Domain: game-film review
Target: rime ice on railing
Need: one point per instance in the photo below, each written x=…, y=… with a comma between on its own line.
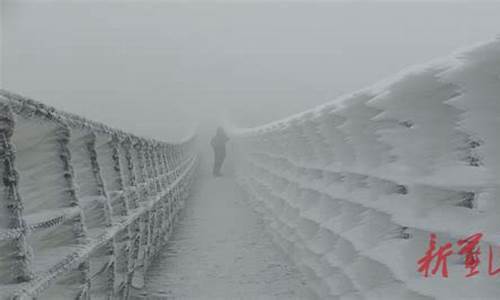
x=84, y=207
x=17, y=262
x=352, y=190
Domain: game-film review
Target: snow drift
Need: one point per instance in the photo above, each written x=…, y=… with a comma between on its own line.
x=84, y=207
x=352, y=189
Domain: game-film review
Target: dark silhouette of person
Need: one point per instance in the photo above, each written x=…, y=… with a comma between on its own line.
x=218, y=142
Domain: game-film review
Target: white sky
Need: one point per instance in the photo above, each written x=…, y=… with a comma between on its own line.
x=157, y=67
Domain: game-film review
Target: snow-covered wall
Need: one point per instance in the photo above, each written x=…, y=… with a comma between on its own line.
x=352, y=190
x=84, y=207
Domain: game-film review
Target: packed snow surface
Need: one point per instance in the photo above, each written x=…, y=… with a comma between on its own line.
x=221, y=250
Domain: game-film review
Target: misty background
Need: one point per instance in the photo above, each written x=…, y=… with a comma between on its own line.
x=161, y=68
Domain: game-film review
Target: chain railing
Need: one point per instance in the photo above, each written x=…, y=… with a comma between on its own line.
x=353, y=189
x=84, y=208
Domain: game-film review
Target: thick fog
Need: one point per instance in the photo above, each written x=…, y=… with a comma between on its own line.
x=158, y=68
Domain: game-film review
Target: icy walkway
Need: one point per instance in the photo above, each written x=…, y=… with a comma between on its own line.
x=220, y=250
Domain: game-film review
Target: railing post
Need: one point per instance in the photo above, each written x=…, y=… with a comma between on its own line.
x=152, y=168
x=160, y=188
x=148, y=170
x=166, y=184
x=13, y=205
x=96, y=170
x=126, y=198
x=114, y=144
x=141, y=171
x=156, y=167
x=132, y=184
x=108, y=211
x=78, y=223
x=141, y=242
x=168, y=164
x=63, y=137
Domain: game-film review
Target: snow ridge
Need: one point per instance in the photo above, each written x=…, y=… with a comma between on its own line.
x=352, y=189
x=85, y=207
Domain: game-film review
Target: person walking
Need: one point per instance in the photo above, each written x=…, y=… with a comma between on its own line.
x=218, y=142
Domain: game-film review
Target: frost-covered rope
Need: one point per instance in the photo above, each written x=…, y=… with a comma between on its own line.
x=86, y=207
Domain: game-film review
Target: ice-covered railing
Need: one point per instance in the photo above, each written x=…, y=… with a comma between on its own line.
x=351, y=190
x=84, y=207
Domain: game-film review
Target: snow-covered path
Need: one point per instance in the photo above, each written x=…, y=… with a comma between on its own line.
x=220, y=250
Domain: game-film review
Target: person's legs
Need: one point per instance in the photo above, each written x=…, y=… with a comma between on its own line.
x=217, y=166
x=218, y=160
